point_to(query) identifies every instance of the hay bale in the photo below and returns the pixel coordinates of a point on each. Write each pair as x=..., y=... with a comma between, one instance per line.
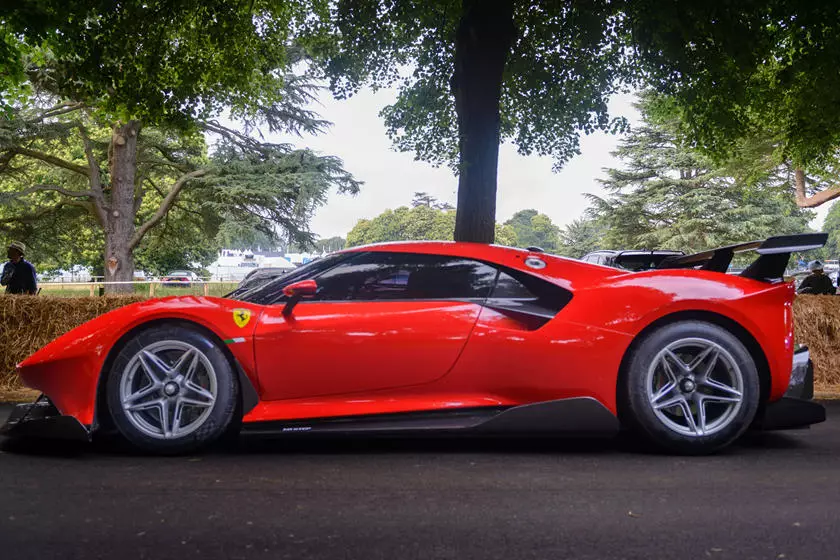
x=817, y=324
x=29, y=322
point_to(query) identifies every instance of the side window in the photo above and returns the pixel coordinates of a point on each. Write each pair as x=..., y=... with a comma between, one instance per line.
x=400, y=276
x=508, y=287
x=528, y=299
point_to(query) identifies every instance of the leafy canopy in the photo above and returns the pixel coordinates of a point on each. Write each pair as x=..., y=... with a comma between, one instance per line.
x=158, y=61
x=670, y=196
x=426, y=221
x=565, y=62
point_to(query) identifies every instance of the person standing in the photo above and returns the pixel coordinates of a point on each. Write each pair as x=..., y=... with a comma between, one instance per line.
x=18, y=273
x=817, y=282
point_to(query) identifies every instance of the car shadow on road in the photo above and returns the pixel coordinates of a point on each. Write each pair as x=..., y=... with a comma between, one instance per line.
x=248, y=444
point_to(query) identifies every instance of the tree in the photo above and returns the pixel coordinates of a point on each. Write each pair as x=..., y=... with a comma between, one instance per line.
x=474, y=72
x=425, y=199
x=764, y=73
x=422, y=222
x=670, y=196
x=163, y=69
x=330, y=244
x=831, y=226
x=52, y=164
x=581, y=236
x=535, y=230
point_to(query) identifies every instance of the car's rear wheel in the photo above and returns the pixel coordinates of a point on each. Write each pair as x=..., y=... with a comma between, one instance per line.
x=690, y=387
x=172, y=390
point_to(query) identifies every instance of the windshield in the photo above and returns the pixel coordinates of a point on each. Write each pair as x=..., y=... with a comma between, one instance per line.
x=272, y=291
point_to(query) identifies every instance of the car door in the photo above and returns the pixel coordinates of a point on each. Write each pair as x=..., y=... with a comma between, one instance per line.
x=380, y=320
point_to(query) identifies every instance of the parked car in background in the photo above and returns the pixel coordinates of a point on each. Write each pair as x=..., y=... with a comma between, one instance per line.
x=634, y=260
x=259, y=277
x=180, y=279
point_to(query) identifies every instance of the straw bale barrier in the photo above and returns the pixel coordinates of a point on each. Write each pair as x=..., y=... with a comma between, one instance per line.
x=817, y=325
x=27, y=323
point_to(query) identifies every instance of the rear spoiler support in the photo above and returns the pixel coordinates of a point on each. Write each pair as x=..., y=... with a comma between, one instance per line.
x=774, y=254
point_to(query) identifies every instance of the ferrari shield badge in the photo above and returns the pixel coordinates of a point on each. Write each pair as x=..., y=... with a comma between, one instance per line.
x=241, y=317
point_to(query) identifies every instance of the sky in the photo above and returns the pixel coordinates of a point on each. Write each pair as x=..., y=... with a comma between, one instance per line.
x=391, y=178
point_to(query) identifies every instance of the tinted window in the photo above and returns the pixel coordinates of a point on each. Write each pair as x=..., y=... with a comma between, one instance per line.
x=272, y=292
x=530, y=300
x=509, y=287
x=389, y=276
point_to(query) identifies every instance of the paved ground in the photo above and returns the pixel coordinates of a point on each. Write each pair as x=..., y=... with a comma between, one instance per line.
x=773, y=496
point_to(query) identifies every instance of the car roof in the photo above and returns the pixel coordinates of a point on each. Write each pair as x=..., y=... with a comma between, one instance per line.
x=453, y=248
x=558, y=267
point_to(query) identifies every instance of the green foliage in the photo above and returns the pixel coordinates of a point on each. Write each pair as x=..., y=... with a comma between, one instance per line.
x=423, y=222
x=564, y=64
x=506, y=236
x=248, y=193
x=159, y=61
x=330, y=244
x=670, y=196
x=738, y=69
x=831, y=226
x=533, y=229
x=272, y=187
x=581, y=236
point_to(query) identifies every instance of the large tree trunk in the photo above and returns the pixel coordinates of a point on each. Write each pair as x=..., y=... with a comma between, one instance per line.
x=482, y=43
x=119, y=229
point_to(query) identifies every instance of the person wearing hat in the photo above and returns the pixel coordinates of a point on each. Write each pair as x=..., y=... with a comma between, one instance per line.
x=817, y=282
x=18, y=274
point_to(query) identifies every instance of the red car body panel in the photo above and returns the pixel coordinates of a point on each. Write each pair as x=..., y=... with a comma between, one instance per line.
x=331, y=359
x=68, y=369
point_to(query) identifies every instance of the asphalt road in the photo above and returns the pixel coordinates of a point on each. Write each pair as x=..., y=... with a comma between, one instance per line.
x=772, y=496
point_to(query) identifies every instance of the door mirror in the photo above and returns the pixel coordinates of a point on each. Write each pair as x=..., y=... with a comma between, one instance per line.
x=302, y=289
x=296, y=292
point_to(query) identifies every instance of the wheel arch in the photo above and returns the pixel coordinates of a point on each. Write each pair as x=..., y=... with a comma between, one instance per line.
x=739, y=331
x=248, y=396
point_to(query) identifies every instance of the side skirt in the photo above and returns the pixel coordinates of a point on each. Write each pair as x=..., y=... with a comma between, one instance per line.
x=582, y=416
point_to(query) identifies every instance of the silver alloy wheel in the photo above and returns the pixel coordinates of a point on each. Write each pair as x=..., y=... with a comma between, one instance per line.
x=168, y=389
x=695, y=387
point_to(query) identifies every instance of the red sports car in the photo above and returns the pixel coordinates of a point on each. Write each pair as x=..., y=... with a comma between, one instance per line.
x=451, y=337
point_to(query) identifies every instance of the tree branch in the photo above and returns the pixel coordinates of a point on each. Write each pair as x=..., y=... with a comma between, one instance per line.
x=98, y=196
x=55, y=188
x=805, y=201
x=167, y=203
x=58, y=162
x=45, y=211
x=60, y=109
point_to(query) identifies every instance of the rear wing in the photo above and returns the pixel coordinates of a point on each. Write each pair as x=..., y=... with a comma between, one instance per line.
x=774, y=254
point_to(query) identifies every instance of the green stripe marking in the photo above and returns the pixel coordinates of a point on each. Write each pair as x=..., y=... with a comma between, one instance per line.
x=234, y=340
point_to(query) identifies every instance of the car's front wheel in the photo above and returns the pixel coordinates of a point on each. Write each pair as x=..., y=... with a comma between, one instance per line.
x=690, y=387
x=171, y=389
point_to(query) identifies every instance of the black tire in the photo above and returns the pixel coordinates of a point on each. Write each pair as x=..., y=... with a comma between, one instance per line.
x=210, y=422
x=665, y=428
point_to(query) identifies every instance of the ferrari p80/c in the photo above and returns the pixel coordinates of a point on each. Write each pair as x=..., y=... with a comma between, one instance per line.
x=444, y=337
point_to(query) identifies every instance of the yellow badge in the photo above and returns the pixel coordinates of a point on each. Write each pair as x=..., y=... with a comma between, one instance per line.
x=241, y=317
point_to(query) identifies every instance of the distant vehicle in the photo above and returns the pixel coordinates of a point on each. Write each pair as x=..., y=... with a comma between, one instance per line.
x=831, y=265
x=259, y=277
x=634, y=260
x=179, y=279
